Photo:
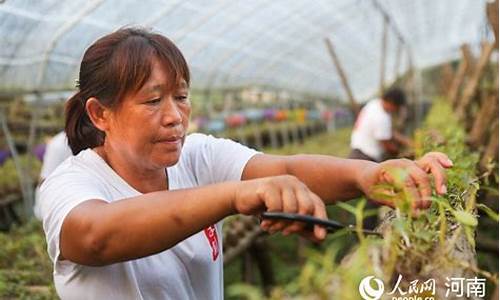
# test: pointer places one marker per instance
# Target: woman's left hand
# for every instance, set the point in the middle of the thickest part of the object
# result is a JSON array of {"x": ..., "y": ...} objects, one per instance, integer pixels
[{"x": 413, "y": 176}]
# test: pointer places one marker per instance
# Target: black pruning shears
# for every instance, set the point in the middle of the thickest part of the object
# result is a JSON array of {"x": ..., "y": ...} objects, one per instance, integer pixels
[{"x": 330, "y": 226}]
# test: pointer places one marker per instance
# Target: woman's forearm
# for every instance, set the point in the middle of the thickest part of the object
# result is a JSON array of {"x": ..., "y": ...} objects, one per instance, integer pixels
[
  {"x": 143, "y": 225},
  {"x": 332, "y": 179}
]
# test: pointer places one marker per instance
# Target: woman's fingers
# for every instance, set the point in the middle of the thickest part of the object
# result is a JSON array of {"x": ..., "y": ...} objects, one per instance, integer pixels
[
  {"x": 317, "y": 209},
  {"x": 272, "y": 202},
  {"x": 423, "y": 186},
  {"x": 411, "y": 191},
  {"x": 303, "y": 207},
  {"x": 434, "y": 163},
  {"x": 289, "y": 205},
  {"x": 318, "y": 234},
  {"x": 290, "y": 195},
  {"x": 439, "y": 177},
  {"x": 415, "y": 183},
  {"x": 442, "y": 158},
  {"x": 377, "y": 181},
  {"x": 319, "y": 212}
]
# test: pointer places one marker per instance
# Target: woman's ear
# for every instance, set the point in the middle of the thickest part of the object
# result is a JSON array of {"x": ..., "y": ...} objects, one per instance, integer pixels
[{"x": 98, "y": 114}]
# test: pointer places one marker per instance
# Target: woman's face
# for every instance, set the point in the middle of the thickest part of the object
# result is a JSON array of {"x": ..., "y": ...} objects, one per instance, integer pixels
[{"x": 149, "y": 128}]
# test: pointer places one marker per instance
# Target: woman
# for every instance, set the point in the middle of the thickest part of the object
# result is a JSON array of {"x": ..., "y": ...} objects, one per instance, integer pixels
[{"x": 136, "y": 213}]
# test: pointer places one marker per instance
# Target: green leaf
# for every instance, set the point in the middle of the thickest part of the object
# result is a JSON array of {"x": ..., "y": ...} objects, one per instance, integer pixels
[
  {"x": 469, "y": 234},
  {"x": 370, "y": 212},
  {"x": 245, "y": 291},
  {"x": 400, "y": 226},
  {"x": 339, "y": 233},
  {"x": 441, "y": 201},
  {"x": 465, "y": 217},
  {"x": 492, "y": 190},
  {"x": 347, "y": 207},
  {"x": 490, "y": 212}
]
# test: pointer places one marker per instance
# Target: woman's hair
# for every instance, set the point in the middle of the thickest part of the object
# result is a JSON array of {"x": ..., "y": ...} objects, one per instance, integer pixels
[{"x": 114, "y": 66}]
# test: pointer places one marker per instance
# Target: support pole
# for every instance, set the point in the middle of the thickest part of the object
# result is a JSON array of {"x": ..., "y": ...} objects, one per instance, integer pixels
[
  {"x": 17, "y": 163},
  {"x": 473, "y": 82},
  {"x": 487, "y": 114},
  {"x": 460, "y": 75},
  {"x": 29, "y": 200},
  {"x": 446, "y": 78},
  {"x": 383, "y": 55},
  {"x": 491, "y": 151},
  {"x": 410, "y": 87},
  {"x": 483, "y": 120},
  {"x": 410, "y": 78},
  {"x": 397, "y": 65},
  {"x": 492, "y": 14},
  {"x": 343, "y": 78}
]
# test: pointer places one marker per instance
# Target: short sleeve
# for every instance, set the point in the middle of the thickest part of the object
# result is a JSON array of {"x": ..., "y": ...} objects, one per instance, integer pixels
[
  {"x": 216, "y": 159},
  {"x": 382, "y": 129},
  {"x": 59, "y": 194}
]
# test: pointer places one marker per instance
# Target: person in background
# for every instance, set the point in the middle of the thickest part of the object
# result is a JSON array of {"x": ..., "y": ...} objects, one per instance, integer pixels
[
  {"x": 137, "y": 212},
  {"x": 373, "y": 137},
  {"x": 56, "y": 151}
]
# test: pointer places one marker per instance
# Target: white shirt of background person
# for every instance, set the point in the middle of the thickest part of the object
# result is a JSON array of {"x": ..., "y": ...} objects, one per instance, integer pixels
[
  {"x": 372, "y": 126},
  {"x": 56, "y": 152}
]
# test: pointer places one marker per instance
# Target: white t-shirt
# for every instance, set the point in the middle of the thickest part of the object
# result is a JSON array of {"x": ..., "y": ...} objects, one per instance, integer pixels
[
  {"x": 373, "y": 125},
  {"x": 192, "y": 269}
]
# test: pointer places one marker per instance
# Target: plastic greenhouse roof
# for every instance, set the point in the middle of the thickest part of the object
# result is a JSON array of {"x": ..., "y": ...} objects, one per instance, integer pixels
[{"x": 231, "y": 43}]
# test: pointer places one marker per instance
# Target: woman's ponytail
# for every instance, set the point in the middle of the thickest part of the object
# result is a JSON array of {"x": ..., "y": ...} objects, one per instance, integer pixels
[{"x": 81, "y": 133}]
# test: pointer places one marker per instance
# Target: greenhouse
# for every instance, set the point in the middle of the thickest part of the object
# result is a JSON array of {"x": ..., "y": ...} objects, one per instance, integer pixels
[{"x": 293, "y": 149}]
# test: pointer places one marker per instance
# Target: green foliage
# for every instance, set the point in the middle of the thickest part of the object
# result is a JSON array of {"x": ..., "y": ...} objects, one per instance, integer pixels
[
  {"x": 409, "y": 243},
  {"x": 9, "y": 177},
  {"x": 284, "y": 251},
  {"x": 412, "y": 245},
  {"x": 25, "y": 269},
  {"x": 490, "y": 212},
  {"x": 9, "y": 180},
  {"x": 248, "y": 291}
]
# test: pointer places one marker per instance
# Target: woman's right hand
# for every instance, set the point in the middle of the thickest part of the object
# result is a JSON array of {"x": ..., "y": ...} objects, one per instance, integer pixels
[{"x": 284, "y": 193}]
